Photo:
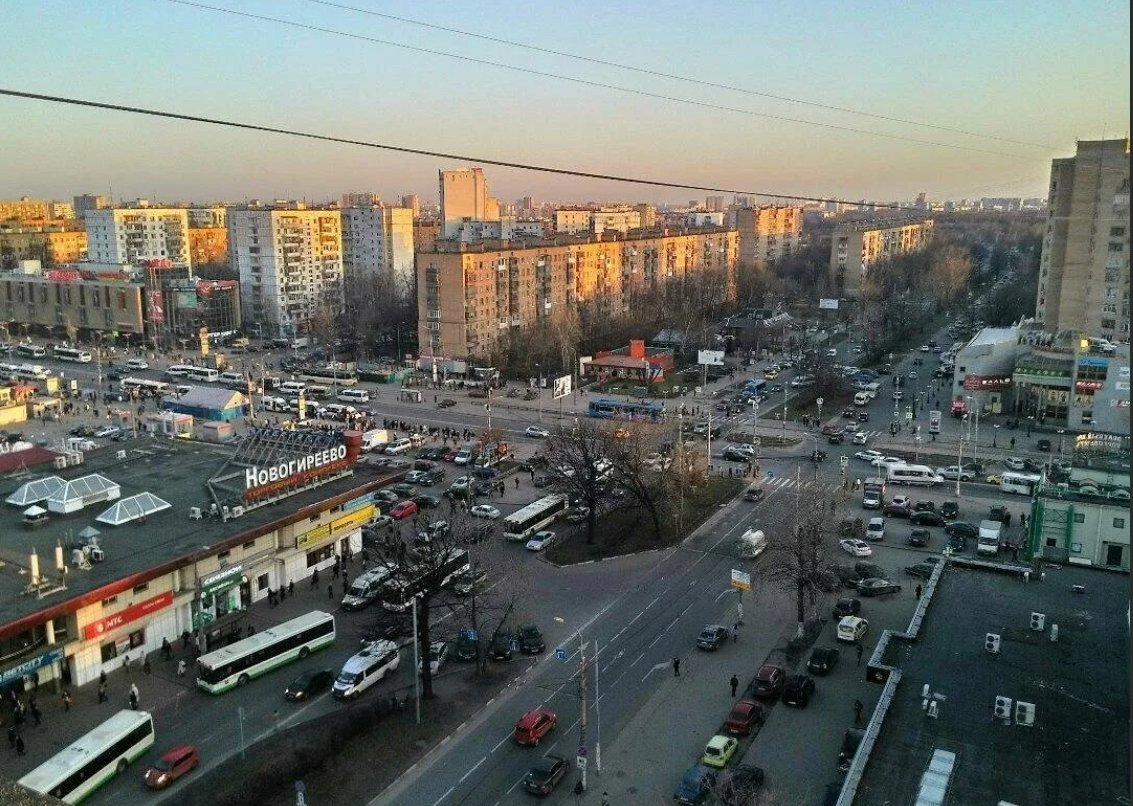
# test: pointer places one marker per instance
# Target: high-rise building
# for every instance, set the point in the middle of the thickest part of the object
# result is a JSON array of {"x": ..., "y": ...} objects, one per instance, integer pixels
[
  {"x": 88, "y": 202},
  {"x": 570, "y": 220},
  {"x": 857, "y": 246},
  {"x": 464, "y": 194},
  {"x": 378, "y": 240},
  {"x": 470, "y": 295},
  {"x": 290, "y": 267},
  {"x": 61, "y": 210},
  {"x": 133, "y": 235},
  {"x": 413, "y": 202},
  {"x": 768, "y": 233},
  {"x": 1084, "y": 271},
  {"x": 715, "y": 204},
  {"x": 360, "y": 199},
  {"x": 204, "y": 217},
  {"x": 23, "y": 209}
]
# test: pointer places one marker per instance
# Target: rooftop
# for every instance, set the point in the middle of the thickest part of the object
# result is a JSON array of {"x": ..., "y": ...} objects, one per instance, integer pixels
[
  {"x": 1077, "y": 750},
  {"x": 993, "y": 335},
  {"x": 176, "y": 471}
]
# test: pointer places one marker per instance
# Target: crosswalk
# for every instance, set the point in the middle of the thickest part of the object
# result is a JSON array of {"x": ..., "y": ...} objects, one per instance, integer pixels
[{"x": 782, "y": 483}]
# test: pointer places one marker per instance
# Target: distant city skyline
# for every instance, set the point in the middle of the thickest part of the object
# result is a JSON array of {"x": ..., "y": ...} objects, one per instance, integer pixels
[{"x": 964, "y": 66}]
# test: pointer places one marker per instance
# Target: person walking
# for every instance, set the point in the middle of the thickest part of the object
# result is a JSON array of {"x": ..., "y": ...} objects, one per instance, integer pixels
[
  {"x": 315, "y": 579},
  {"x": 36, "y": 714},
  {"x": 676, "y": 667},
  {"x": 735, "y": 684},
  {"x": 20, "y": 749},
  {"x": 167, "y": 650},
  {"x": 917, "y": 590},
  {"x": 11, "y": 737},
  {"x": 134, "y": 696},
  {"x": 291, "y": 588},
  {"x": 861, "y": 651},
  {"x": 67, "y": 700},
  {"x": 181, "y": 665},
  {"x": 517, "y": 482},
  {"x": 330, "y": 591},
  {"x": 102, "y": 692},
  {"x": 1022, "y": 520},
  {"x": 735, "y": 632},
  {"x": 146, "y": 669},
  {"x": 858, "y": 706},
  {"x": 1007, "y": 519}
]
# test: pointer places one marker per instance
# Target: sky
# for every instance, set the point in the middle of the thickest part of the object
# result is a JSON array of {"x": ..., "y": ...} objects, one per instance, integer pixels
[{"x": 1023, "y": 71}]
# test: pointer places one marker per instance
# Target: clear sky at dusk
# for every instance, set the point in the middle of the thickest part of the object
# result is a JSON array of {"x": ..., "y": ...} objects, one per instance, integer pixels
[{"x": 1043, "y": 72}]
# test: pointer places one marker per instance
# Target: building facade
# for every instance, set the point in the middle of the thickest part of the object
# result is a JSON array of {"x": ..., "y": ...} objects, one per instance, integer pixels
[
  {"x": 425, "y": 234},
  {"x": 362, "y": 199},
  {"x": 190, "y": 305},
  {"x": 464, "y": 194},
  {"x": 1085, "y": 521},
  {"x": 856, "y": 247},
  {"x": 59, "y": 300},
  {"x": 51, "y": 248},
  {"x": 290, "y": 266},
  {"x": 207, "y": 217},
  {"x": 768, "y": 233},
  {"x": 1084, "y": 270},
  {"x": 469, "y": 295},
  {"x": 24, "y": 209},
  {"x": 85, "y": 203},
  {"x": 574, "y": 220},
  {"x": 208, "y": 245},
  {"x": 133, "y": 235},
  {"x": 378, "y": 240},
  {"x": 62, "y": 209}
]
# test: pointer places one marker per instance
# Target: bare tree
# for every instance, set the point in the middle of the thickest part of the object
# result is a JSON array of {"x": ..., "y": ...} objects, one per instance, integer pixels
[
  {"x": 798, "y": 558},
  {"x": 578, "y": 458}
]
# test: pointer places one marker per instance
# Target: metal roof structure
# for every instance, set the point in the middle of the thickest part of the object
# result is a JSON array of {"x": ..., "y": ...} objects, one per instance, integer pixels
[
  {"x": 35, "y": 491},
  {"x": 133, "y": 508},
  {"x": 80, "y": 492}
]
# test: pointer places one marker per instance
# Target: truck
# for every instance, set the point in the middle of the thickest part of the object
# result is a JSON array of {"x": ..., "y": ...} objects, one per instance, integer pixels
[
  {"x": 751, "y": 544},
  {"x": 374, "y": 439},
  {"x": 959, "y": 407},
  {"x": 873, "y": 494},
  {"x": 988, "y": 541},
  {"x": 934, "y": 422}
]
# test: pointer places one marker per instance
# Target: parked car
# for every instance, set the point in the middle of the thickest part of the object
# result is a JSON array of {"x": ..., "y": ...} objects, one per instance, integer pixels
[
  {"x": 1014, "y": 463},
  {"x": 712, "y": 637},
  {"x": 924, "y": 506},
  {"x": 719, "y": 751},
  {"x": 744, "y": 716},
  {"x": 875, "y": 529},
  {"x": 438, "y": 654},
  {"x": 308, "y": 684},
  {"x": 896, "y": 511},
  {"x": 927, "y": 519},
  {"x": 875, "y": 586},
  {"x": 426, "y": 501},
  {"x": 531, "y": 641},
  {"x": 484, "y": 511},
  {"x": 847, "y": 606},
  {"x": 797, "y": 690},
  {"x": 1043, "y": 445},
  {"x": 547, "y": 771},
  {"x": 922, "y": 570},
  {"x": 967, "y": 530},
  {"x": 768, "y": 681},
  {"x": 501, "y": 648},
  {"x": 950, "y": 510},
  {"x": 696, "y": 786},
  {"x": 823, "y": 660},
  {"x": 174, "y": 763},
  {"x": 533, "y": 726},
  {"x": 403, "y": 510},
  {"x": 851, "y": 629},
  {"x": 537, "y": 432},
  {"x": 918, "y": 537},
  {"x": 542, "y": 481},
  {"x": 855, "y": 548},
  {"x": 540, "y": 540}
]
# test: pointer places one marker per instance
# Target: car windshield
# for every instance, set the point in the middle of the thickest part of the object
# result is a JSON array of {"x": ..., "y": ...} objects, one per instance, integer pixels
[
  {"x": 712, "y": 751},
  {"x": 163, "y": 765},
  {"x": 349, "y": 679}
]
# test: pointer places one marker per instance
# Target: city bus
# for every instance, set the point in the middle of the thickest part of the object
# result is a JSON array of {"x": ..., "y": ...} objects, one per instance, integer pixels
[
  {"x": 236, "y": 664},
  {"x": 1020, "y": 483},
  {"x": 73, "y": 354},
  {"x": 624, "y": 410},
  {"x": 398, "y": 593},
  {"x": 523, "y": 523},
  {"x": 144, "y": 387},
  {"x": 78, "y": 770},
  {"x": 331, "y": 375},
  {"x": 31, "y": 351}
]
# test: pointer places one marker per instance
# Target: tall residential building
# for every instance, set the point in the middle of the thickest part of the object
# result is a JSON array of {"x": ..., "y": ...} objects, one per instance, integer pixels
[
  {"x": 133, "y": 235},
  {"x": 413, "y": 202},
  {"x": 1084, "y": 271},
  {"x": 425, "y": 234},
  {"x": 62, "y": 209},
  {"x": 87, "y": 202},
  {"x": 768, "y": 233},
  {"x": 570, "y": 220},
  {"x": 51, "y": 248},
  {"x": 290, "y": 266},
  {"x": 360, "y": 199},
  {"x": 464, "y": 194},
  {"x": 23, "y": 209},
  {"x": 857, "y": 246},
  {"x": 470, "y": 295},
  {"x": 715, "y": 204},
  {"x": 378, "y": 240},
  {"x": 204, "y": 217}
]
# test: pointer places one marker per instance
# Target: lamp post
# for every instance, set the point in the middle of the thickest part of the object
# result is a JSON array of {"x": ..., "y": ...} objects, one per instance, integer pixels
[
  {"x": 1061, "y": 434},
  {"x": 976, "y": 436},
  {"x": 539, "y": 390},
  {"x": 995, "y": 436}
]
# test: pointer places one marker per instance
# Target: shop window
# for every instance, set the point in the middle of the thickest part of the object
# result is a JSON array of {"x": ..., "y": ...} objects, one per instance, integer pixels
[
  {"x": 60, "y": 628},
  {"x": 319, "y": 555},
  {"x": 109, "y": 651},
  {"x": 315, "y": 518},
  {"x": 141, "y": 588},
  {"x": 262, "y": 582},
  {"x": 224, "y": 555},
  {"x": 1079, "y": 517},
  {"x": 251, "y": 544},
  {"x": 1119, "y": 523},
  {"x": 137, "y": 638}
]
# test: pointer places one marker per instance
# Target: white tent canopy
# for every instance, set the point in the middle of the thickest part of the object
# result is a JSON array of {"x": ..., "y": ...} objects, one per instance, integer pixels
[
  {"x": 133, "y": 508},
  {"x": 78, "y": 493},
  {"x": 34, "y": 512},
  {"x": 35, "y": 491}
]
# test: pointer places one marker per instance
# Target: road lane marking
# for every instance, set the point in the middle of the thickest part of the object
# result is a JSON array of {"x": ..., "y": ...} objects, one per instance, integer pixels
[
  {"x": 497, "y": 747},
  {"x": 445, "y": 795},
  {"x": 639, "y": 657},
  {"x": 474, "y": 768}
]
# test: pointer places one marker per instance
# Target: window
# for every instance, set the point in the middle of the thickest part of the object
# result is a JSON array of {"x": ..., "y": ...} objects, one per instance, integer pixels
[
  {"x": 319, "y": 555},
  {"x": 1079, "y": 517},
  {"x": 262, "y": 582},
  {"x": 1116, "y": 232},
  {"x": 109, "y": 651},
  {"x": 251, "y": 544},
  {"x": 59, "y": 626},
  {"x": 108, "y": 602},
  {"x": 223, "y": 555},
  {"x": 141, "y": 588},
  {"x": 1119, "y": 523}
]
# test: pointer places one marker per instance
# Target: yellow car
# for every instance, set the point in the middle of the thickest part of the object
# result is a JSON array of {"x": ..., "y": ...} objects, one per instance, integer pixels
[
  {"x": 771, "y": 374},
  {"x": 719, "y": 751},
  {"x": 993, "y": 479},
  {"x": 621, "y": 433}
]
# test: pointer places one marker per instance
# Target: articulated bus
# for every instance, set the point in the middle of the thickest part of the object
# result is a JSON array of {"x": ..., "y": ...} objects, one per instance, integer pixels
[
  {"x": 523, "y": 523},
  {"x": 1020, "y": 483},
  {"x": 624, "y": 410},
  {"x": 78, "y": 770},
  {"x": 236, "y": 664},
  {"x": 331, "y": 375},
  {"x": 144, "y": 386},
  {"x": 73, "y": 354}
]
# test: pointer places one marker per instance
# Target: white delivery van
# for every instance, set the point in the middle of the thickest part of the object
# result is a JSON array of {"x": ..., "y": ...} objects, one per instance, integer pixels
[
  {"x": 234, "y": 379},
  {"x": 751, "y": 544},
  {"x": 365, "y": 669},
  {"x": 913, "y": 474},
  {"x": 399, "y": 446},
  {"x": 375, "y": 440},
  {"x": 988, "y": 541},
  {"x": 365, "y": 589},
  {"x": 354, "y": 396},
  {"x": 292, "y": 387}
]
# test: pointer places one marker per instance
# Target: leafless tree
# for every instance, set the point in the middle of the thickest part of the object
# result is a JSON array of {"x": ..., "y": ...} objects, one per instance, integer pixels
[{"x": 578, "y": 458}]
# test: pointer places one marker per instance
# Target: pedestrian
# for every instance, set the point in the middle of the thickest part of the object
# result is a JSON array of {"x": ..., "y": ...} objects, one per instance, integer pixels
[
  {"x": 1027, "y": 576},
  {"x": 102, "y": 692},
  {"x": 1007, "y": 519},
  {"x": 330, "y": 590},
  {"x": 315, "y": 579},
  {"x": 517, "y": 482},
  {"x": 134, "y": 696},
  {"x": 36, "y": 714},
  {"x": 11, "y": 737},
  {"x": 1012, "y": 443},
  {"x": 167, "y": 650},
  {"x": 861, "y": 651},
  {"x": 181, "y": 667},
  {"x": 1022, "y": 520},
  {"x": 676, "y": 667},
  {"x": 918, "y": 591},
  {"x": 735, "y": 684},
  {"x": 67, "y": 700},
  {"x": 858, "y": 706},
  {"x": 605, "y": 799},
  {"x": 146, "y": 669},
  {"x": 20, "y": 749},
  {"x": 735, "y": 632},
  {"x": 291, "y": 588}
]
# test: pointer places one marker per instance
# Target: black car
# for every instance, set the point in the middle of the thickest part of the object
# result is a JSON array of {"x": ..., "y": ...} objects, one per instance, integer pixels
[
  {"x": 850, "y": 413},
  {"x": 875, "y": 586},
  {"x": 711, "y": 637},
  {"x": 918, "y": 537},
  {"x": 847, "y": 606},
  {"x": 896, "y": 511},
  {"x": 404, "y": 490},
  {"x": 465, "y": 648},
  {"x": 837, "y": 438},
  {"x": 1043, "y": 445},
  {"x": 308, "y": 684},
  {"x": 545, "y": 774},
  {"x": 924, "y": 506},
  {"x": 531, "y": 640},
  {"x": 921, "y": 570},
  {"x": 426, "y": 501},
  {"x": 823, "y": 660},
  {"x": 797, "y": 690},
  {"x": 387, "y": 496},
  {"x": 737, "y": 456},
  {"x": 433, "y": 476},
  {"x": 446, "y": 403},
  {"x": 927, "y": 519},
  {"x": 963, "y": 529},
  {"x": 501, "y": 648},
  {"x": 950, "y": 510},
  {"x": 863, "y": 416},
  {"x": 738, "y": 786}
]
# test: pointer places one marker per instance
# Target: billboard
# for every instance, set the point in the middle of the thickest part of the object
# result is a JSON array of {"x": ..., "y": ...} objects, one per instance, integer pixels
[
  {"x": 712, "y": 358},
  {"x": 561, "y": 387},
  {"x": 156, "y": 307},
  {"x": 828, "y": 304},
  {"x": 186, "y": 299}
]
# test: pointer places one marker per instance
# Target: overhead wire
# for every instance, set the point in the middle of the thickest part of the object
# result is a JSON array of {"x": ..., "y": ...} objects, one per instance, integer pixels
[
  {"x": 466, "y": 158},
  {"x": 589, "y": 83},
  {"x": 674, "y": 76}
]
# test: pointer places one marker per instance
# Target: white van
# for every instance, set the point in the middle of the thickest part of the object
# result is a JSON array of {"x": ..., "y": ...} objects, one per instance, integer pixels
[
  {"x": 751, "y": 544},
  {"x": 913, "y": 474},
  {"x": 862, "y": 398},
  {"x": 365, "y": 669},
  {"x": 204, "y": 374},
  {"x": 292, "y": 387},
  {"x": 354, "y": 396},
  {"x": 365, "y": 589},
  {"x": 851, "y": 629},
  {"x": 274, "y": 404},
  {"x": 236, "y": 379},
  {"x": 399, "y": 446},
  {"x": 179, "y": 370}
]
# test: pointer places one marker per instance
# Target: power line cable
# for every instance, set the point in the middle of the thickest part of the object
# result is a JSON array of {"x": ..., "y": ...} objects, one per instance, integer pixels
[
  {"x": 676, "y": 77},
  {"x": 588, "y": 83},
  {"x": 466, "y": 158}
]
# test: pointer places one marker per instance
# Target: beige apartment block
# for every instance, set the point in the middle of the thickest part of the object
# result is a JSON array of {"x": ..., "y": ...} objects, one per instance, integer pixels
[
  {"x": 464, "y": 194},
  {"x": 1084, "y": 270},
  {"x": 24, "y": 209},
  {"x": 132, "y": 235},
  {"x": 50, "y": 248},
  {"x": 857, "y": 246},
  {"x": 768, "y": 234}
]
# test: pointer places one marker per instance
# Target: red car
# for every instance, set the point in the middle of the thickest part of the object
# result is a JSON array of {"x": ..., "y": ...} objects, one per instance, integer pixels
[
  {"x": 768, "y": 681},
  {"x": 745, "y": 715},
  {"x": 403, "y": 510},
  {"x": 176, "y": 762},
  {"x": 451, "y": 455},
  {"x": 533, "y": 726}
]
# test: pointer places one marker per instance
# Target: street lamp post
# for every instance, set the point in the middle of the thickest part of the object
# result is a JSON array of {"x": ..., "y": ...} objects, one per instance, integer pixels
[{"x": 995, "y": 436}]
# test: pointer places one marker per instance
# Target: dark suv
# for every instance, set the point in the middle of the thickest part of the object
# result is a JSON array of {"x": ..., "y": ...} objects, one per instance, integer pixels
[
  {"x": 531, "y": 640},
  {"x": 797, "y": 690},
  {"x": 847, "y": 606}
]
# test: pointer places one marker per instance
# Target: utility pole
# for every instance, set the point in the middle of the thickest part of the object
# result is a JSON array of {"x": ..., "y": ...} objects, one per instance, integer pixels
[
  {"x": 582, "y": 696},
  {"x": 708, "y": 464}
]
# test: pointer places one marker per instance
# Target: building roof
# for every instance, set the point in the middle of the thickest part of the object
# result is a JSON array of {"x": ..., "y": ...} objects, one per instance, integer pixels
[
  {"x": 208, "y": 397},
  {"x": 29, "y": 458},
  {"x": 178, "y": 471},
  {"x": 618, "y": 361},
  {"x": 1078, "y": 748},
  {"x": 993, "y": 335}
]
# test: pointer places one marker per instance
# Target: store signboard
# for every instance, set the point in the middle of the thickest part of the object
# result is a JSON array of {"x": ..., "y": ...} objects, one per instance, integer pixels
[
  {"x": 259, "y": 481},
  {"x": 27, "y": 667},
  {"x": 221, "y": 580},
  {"x": 129, "y": 614},
  {"x": 343, "y": 524}
]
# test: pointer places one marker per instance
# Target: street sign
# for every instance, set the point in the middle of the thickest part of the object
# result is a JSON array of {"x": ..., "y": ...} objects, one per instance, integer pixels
[
  {"x": 741, "y": 579},
  {"x": 908, "y": 415},
  {"x": 580, "y": 762},
  {"x": 819, "y": 401},
  {"x": 582, "y": 750},
  {"x": 844, "y": 461},
  {"x": 560, "y": 653},
  {"x": 471, "y": 635},
  {"x": 770, "y": 474}
]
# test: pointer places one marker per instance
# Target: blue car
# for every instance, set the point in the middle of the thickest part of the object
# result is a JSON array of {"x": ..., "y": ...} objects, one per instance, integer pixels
[{"x": 696, "y": 785}]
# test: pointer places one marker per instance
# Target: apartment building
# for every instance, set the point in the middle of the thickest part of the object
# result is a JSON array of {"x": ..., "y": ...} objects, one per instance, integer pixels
[
  {"x": 50, "y": 247},
  {"x": 61, "y": 210},
  {"x": 571, "y": 220},
  {"x": 1084, "y": 270},
  {"x": 363, "y": 199},
  {"x": 132, "y": 235},
  {"x": 425, "y": 234},
  {"x": 290, "y": 266},
  {"x": 23, "y": 209},
  {"x": 857, "y": 246},
  {"x": 471, "y": 294},
  {"x": 86, "y": 202},
  {"x": 208, "y": 245},
  {"x": 768, "y": 233},
  {"x": 413, "y": 202},
  {"x": 464, "y": 194},
  {"x": 377, "y": 239},
  {"x": 207, "y": 217},
  {"x": 507, "y": 228}
]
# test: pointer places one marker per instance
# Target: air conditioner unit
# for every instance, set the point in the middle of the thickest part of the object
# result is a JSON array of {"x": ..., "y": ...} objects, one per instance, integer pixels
[
  {"x": 194, "y": 513},
  {"x": 120, "y": 455},
  {"x": 96, "y": 554},
  {"x": 1003, "y": 708},
  {"x": 1025, "y": 713},
  {"x": 60, "y": 462},
  {"x": 74, "y": 458},
  {"x": 237, "y": 512},
  {"x": 1038, "y": 622},
  {"x": 991, "y": 643}
]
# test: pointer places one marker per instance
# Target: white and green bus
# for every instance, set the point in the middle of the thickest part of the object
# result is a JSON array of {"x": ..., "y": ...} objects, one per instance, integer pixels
[
  {"x": 77, "y": 771},
  {"x": 236, "y": 664}
]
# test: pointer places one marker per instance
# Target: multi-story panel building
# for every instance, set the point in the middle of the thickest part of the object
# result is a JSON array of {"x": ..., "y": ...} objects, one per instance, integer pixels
[
  {"x": 378, "y": 240},
  {"x": 413, "y": 202},
  {"x": 61, "y": 209},
  {"x": 23, "y": 209},
  {"x": 425, "y": 234},
  {"x": 208, "y": 245},
  {"x": 290, "y": 266},
  {"x": 86, "y": 202},
  {"x": 1084, "y": 271},
  {"x": 571, "y": 220},
  {"x": 464, "y": 194},
  {"x": 855, "y": 247},
  {"x": 206, "y": 217},
  {"x": 469, "y": 295},
  {"x": 135, "y": 235},
  {"x": 59, "y": 300},
  {"x": 51, "y": 248},
  {"x": 364, "y": 199},
  {"x": 768, "y": 233}
]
